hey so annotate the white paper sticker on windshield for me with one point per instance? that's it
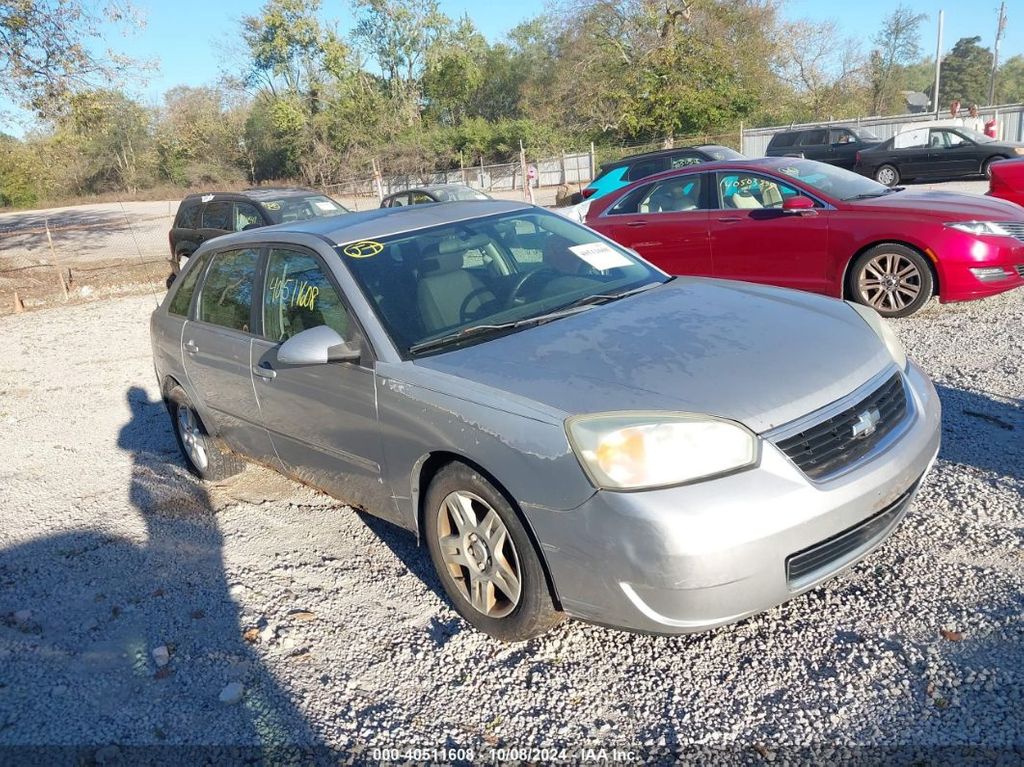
(206, 197)
(324, 205)
(600, 256)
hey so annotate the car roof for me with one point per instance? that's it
(658, 153)
(261, 194)
(384, 222)
(432, 188)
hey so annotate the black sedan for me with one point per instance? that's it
(434, 193)
(940, 152)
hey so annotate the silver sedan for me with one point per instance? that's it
(570, 431)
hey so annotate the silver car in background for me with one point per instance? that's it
(571, 431)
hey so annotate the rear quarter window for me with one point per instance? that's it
(186, 287)
(783, 139)
(188, 215)
(813, 137)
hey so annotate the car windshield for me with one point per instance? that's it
(449, 193)
(462, 280)
(832, 181)
(723, 153)
(288, 209)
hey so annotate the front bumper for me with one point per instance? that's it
(690, 558)
(960, 252)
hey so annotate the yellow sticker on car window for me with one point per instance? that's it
(272, 205)
(362, 249)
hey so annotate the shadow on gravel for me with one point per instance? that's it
(982, 431)
(129, 642)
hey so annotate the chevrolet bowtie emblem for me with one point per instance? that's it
(866, 423)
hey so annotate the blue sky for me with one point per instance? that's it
(191, 40)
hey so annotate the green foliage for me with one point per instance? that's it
(895, 46)
(1010, 81)
(965, 73)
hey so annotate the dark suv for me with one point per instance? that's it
(621, 173)
(834, 145)
(202, 217)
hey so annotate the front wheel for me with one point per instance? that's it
(986, 168)
(887, 175)
(892, 279)
(484, 557)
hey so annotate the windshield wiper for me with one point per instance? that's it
(603, 298)
(869, 195)
(473, 330)
(563, 311)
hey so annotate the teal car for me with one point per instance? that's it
(621, 173)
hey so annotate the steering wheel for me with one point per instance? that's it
(517, 289)
(464, 314)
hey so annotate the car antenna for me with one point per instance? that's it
(135, 239)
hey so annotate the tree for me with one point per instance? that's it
(1010, 81)
(46, 50)
(895, 46)
(826, 70)
(965, 73)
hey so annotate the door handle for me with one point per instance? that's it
(264, 372)
(730, 220)
(636, 223)
(191, 347)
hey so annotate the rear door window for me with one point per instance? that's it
(188, 216)
(226, 296)
(783, 139)
(813, 137)
(217, 215)
(647, 168)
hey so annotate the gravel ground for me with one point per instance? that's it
(140, 608)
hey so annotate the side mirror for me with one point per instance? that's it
(317, 346)
(798, 205)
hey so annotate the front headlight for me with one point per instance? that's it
(634, 450)
(979, 227)
(884, 332)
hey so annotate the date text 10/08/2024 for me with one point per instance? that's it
(500, 755)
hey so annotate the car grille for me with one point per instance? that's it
(814, 561)
(1020, 270)
(1014, 229)
(838, 441)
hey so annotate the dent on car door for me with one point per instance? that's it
(322, 418)
(216, 349)
(754, 239)
(666, 223)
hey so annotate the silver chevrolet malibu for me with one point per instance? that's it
(570, 430)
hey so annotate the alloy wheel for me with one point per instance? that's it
(479, 553)
(886, 176)
(890, 282)
(192, 436)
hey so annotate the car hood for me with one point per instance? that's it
(762, 356)
(949, 206)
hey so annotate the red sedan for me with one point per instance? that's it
(806, 225)
(1006, 180)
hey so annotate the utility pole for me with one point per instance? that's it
(1000, 31)
(938, 67)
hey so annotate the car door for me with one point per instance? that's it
(754, 239)
(216, 220)
(842, 149)
(247, 216)
(812, 144)
(216, 351)
(666, 222)
(958, 155)
(322, 418)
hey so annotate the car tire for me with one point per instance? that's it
(887, 175)
(986, 167)
(202, 455)
(892, 279)
(484, 557)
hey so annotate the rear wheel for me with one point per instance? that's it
(892, 279)
(484, 557)
(203, 457)
(986, 167)
(887, 174)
